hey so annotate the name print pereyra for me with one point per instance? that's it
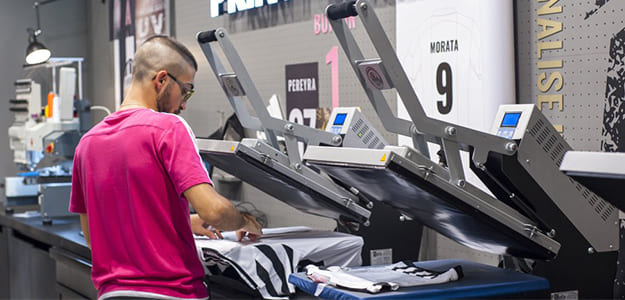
(444, 46)
(301, 85)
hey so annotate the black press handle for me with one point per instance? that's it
(341, 10)
(207, 36)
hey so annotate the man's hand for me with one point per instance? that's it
(252, 228)
(199, 227)
(217, 211)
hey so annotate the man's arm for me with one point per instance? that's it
(199, 227)
(84, 225)
(217, 211)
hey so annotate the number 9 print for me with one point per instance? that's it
(444, 88)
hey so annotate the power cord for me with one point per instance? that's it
(102, 108)
(250, 208)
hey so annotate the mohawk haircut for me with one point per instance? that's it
(156, 54)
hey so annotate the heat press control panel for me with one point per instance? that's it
(511, 121)
(355, 129)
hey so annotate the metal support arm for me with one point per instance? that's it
(240, 84)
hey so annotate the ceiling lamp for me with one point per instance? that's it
(36, 52)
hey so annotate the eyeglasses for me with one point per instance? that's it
(186, 91)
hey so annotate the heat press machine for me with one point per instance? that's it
(277, 169)
(262, 163)
(538, 219)
(602, 172)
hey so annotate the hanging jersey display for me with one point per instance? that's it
(459, 57)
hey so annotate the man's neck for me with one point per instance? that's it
(139, 96)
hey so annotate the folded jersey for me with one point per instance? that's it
(377, 278)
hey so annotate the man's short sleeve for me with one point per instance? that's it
(181, 159)
(77, 197)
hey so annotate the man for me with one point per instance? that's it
(135, 174)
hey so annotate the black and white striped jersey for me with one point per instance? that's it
(266, 264)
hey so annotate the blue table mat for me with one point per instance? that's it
(479, 281)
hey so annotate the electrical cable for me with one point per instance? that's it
(103, 108)
(260, 216)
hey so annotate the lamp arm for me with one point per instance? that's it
(36, 7)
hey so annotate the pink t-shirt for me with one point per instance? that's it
(129, 173)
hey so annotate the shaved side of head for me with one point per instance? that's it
(161, 53)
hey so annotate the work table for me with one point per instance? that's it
(63, 233)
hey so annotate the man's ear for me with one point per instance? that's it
(161, 76)
(159, 80)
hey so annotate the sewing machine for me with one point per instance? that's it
(43, 140)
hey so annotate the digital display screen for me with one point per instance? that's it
(511, 119)
(340, 119)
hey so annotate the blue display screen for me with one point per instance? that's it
(510, 119)
(339, 119)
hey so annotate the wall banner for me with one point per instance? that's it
(302, 93)
(131, 23)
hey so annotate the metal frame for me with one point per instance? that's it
(55, 62)
(346, 164)
(540, 153)
(271, 158)
(238, 84)
(385, 72)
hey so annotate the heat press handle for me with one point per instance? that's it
(341, 10)
(206, 36)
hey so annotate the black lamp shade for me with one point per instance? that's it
(36, 52)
